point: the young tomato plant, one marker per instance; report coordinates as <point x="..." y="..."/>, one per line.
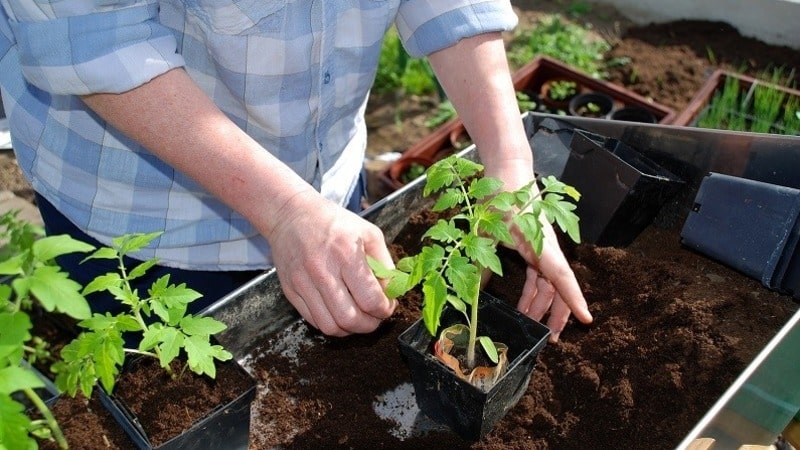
<point x="98" y="353"/>
<point x="30" y="277"/>
<point x="450" y="267"/>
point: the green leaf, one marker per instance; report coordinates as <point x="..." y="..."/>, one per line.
<point x="483" y="187"/>
<point x="448" y="199"/>
<point x="444" y="231"/>
<point x="201" y="355"/>
<point x="141" y="269"/>
<point x="103" y="283"/>
<point x="103" y="253"/>
<point x="398" y="280"/>
<point x="50" y="247"/>
<point x="13" y="379"/>
<point x="531" y="228"/>
<point x="489" y="348"/>
<point x="14" y="332"/>
<point x="561" y="213"/>
<point x="201" y="326"/>
<point x="484" y="251"/>
<point x="134" y="242"/>
<point x="56" y="291"/>
<point x="463" y="277"/>
<point x="172" y="340"/>
<point x="13" y="265"/>
<point x="434" y="291"/>
<point x="14" y="426"/>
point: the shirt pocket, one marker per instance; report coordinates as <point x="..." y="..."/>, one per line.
<point x="240" y="17"/>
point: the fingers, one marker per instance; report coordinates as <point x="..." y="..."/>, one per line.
<point x="334" y="288"/>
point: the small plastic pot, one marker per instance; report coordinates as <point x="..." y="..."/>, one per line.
<point x="633" y="114"/>
<point x="226" y="426"/>
<point x="444" y="397"/>
<point x="591" y="104"/>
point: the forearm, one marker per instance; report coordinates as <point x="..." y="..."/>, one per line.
<point x="476" y="77"/>
<point x="177" y="122"/>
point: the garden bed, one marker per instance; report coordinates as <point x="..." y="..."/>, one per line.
<point x="672" y="332"/>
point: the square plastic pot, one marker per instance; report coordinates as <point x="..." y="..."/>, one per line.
<point x="227" y="426"/>
<point x="750" y="226"/>
<point x="622" y="189"/>
<point x="451" y="401"/>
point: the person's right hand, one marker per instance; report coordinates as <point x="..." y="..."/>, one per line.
<point x="320" y="252"/>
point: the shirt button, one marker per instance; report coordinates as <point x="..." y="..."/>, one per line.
<point x="327" y="78"/>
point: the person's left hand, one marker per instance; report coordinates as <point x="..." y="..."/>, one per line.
<point x="550" y="285"/>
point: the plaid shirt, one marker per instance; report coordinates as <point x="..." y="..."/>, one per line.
<point x="293" y="74"/>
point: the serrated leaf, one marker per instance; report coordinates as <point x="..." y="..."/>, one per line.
<point x="484" y="251"/>
<point x="141" y="269"/>
<point x="448" y="199"/>
<point x="483" y="187"/>
<point x="199" y="354"/>
<point x="50" y="247"/>
<point x="503" y="201"/>
<point x="561" y="213"/>
<point x="102" y="253"/>
<point x="134" y="242"/>
<point x="14" y="426"/>
<point x="55" y="291"/>
<point x="398" y="280"/>
<point x="463" y="277"/>
<point x="103" y="283"/>
<point x="13" y="379"/>
<point x="489" y="348"/>
<point x="434" y="291"/>
<point x="172" y="341"/>
<point x="531" y="229"/>
<point x="15" y="332"/>
<point x="201" y="325"/>
<point x="444" y="231"/>
<point x="13" y="265"/>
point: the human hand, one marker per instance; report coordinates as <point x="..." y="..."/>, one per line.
<point x="319" y="250"/>
<point x="550" y="285"/>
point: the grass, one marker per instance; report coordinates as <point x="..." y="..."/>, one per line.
<point x="764" y="108"/>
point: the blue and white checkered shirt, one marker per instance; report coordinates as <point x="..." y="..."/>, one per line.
<point x="293" y="74"/>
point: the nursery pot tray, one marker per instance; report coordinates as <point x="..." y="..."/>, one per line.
<point x="258" y="310"/>
<point x="448" y="399"/>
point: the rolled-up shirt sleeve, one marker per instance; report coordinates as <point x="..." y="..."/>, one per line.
<point x="71" y="51"/>
<point x="427" y="26"/>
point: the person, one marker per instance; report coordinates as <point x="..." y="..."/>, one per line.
<point x="236" y="128"/>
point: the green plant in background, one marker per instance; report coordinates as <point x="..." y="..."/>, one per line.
<point x="444" y="111"/>
<point x="98" y="353"/>
<point x="451" y="266"/>
<point x="762" y="109"/>
<point x="567" y="42"/>
<point x="525" y="102"/>
<point x="562" y="90"/>
<point x="32" y="277"/>
<point x="397" y="71"/>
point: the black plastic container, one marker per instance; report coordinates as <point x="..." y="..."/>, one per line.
<point x="451" y="401"/>
<point x="580" y="105"/>
<point x="227" y="426"/>
<point x="633" y="114"/>
<point x="749" y="225"/>
<point x="621" y="189"/>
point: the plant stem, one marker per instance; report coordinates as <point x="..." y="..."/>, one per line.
<point x="136" y="309"/>
<point x="473" y="332"/>
<point x="48" y="417"/>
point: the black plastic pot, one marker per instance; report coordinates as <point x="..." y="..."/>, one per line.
<point x="622" y="189"/>
<point x="227" y="426"/>
<point x="633" y="114"/>
<point x="591" y="104"/>
<point x="751" y="226"/>
<point x="451" y="401"/>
